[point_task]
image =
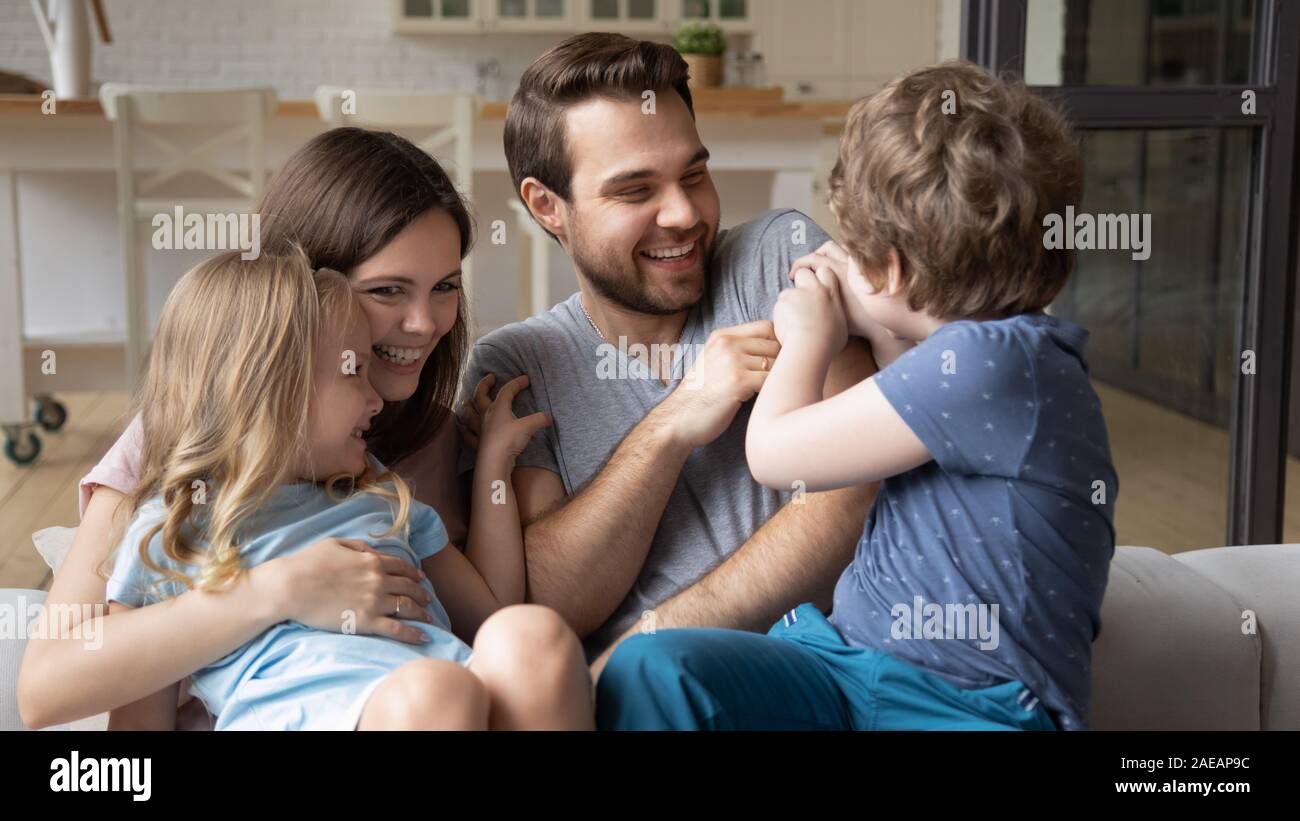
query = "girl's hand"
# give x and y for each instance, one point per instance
(811, 313)
(472, 411)
(504, 435)
(320, 585)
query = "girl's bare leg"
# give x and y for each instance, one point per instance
(429, 694)
(533, 668)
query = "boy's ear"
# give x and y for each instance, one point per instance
(894, 273)
(547, 208)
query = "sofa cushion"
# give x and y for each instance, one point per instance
(53, 543)
(1171, 654)
(1265, 579)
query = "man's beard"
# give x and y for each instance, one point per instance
(622, 282)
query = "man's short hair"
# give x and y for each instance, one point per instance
(610, 66)
(956, 169)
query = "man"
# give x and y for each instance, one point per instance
(639, 510)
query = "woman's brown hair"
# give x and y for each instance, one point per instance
(341, 198)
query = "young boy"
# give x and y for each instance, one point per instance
(975, 592)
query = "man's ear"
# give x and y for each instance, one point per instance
(546, 207)
(894, 273)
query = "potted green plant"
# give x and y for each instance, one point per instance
(702, 45)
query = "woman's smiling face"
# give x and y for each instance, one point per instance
(410, 291)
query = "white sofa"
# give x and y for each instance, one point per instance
(1176, 651)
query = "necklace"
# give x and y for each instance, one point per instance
(590, 320)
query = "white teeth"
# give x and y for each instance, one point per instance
(670, 253)
(400, 356)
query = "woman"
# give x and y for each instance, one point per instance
(377, 208)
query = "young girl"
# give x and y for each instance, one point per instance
(255, 409)
(371, 205)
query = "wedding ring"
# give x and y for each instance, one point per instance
(765, 363)
(398, 612)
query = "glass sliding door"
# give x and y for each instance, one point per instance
(1187, 111)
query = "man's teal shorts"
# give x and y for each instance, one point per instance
(800, 676)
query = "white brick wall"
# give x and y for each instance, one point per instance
(292, 45)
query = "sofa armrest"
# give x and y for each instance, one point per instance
(16, 608)
(1171, 654)
(1264, 579)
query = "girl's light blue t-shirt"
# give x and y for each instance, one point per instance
(293, 676)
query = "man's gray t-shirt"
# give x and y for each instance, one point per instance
(596, 395)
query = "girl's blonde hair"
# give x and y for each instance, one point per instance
(225, 404)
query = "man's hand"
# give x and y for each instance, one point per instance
(730, 370)
(811, 315)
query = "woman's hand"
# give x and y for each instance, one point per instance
(345, 583)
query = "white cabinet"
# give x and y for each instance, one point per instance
(530, 15)
(843, 49)
(731, 15)
(484, 16)
(664, 16)
(890, 37)
(631, 17)
(626, 16)
(806, 47)
(438, 16)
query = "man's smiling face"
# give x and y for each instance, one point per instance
(644, 212)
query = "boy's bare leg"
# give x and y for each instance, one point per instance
(534, 670)
(428, 694)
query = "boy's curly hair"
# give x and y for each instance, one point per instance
(956, 169)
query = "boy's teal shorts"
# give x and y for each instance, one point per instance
(800, 676)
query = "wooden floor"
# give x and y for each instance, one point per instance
(45, 493)
(1173, 475)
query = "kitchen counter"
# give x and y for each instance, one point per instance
(710, 104)
(56, 172)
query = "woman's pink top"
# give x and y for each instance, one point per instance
(430, 471)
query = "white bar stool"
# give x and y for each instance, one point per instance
(143, 114)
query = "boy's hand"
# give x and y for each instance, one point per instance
(831, 255)
(503, 434)
(812, 312)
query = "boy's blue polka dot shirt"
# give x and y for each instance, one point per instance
(1015, 510)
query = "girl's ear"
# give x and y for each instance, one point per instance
(894, 273)
(546, 207)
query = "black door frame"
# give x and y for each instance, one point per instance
(993, 34)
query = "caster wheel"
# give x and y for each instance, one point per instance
(50, 414)
(23, 449)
